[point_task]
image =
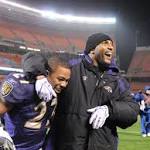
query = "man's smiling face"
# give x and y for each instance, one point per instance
(104, 52)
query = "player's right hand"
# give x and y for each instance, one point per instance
(44, 89)
(6, 142)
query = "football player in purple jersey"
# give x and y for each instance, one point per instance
(27, 111)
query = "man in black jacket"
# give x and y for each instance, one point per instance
(95, 102)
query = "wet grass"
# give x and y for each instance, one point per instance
(131, 139)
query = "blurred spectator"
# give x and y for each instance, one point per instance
(142, 99)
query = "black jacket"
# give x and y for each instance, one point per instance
(88, 88)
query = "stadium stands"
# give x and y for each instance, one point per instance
(10, 60)
(5, 32)
(33, 37)
(139, 69)
(79, 43)
(136, 86)
(1, 78)
(139, 66)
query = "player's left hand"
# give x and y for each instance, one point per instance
(98, 116)
(6, 142)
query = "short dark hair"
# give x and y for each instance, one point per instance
(57, 60)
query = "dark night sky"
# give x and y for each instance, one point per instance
(132, 12)
(133, 21)
(137, 8)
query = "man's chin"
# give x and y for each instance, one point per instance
(104, 64)
(57, 91)
(107, 61)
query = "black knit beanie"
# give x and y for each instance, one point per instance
(94, 40)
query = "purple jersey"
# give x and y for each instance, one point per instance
(28, 119)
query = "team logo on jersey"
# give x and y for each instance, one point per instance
(108, 89)
(6, 88)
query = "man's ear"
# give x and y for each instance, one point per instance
(92, 52)
(47, 71)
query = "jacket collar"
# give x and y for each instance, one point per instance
(111, 69)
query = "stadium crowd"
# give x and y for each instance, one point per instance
(143, 99)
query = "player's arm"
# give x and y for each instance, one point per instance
(4, 106)
(10, 91)
(124, 110)
(44, 89)
(35, 67)
(6, 142)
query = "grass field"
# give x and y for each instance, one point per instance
(130, 139)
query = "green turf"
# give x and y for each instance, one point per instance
(131, 139)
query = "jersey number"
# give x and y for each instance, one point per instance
(36, 122)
